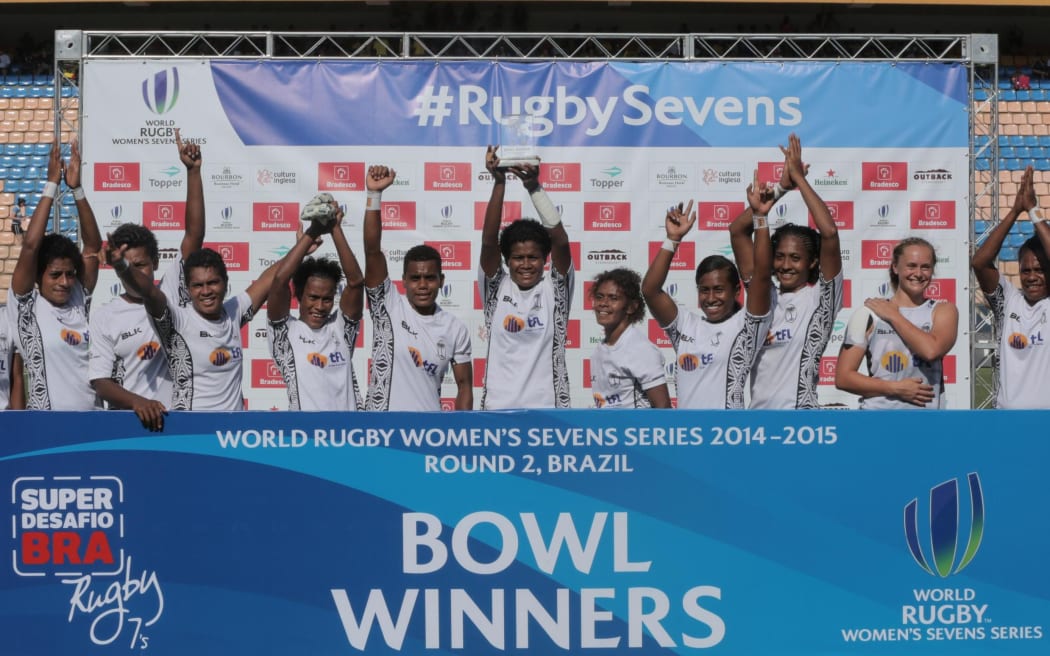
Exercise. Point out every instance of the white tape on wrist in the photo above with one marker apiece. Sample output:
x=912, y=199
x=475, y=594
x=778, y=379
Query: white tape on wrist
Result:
x=759, y=221
x=374, y=200
x=549, y=216
x=50, y=190
x=78, y=193
x=1037, y=215
x=670, y=245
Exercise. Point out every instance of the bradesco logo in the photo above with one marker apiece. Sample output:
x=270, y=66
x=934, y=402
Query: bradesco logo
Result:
x=398, y=215
x=455, y=255
x=658, y=335
x=572, y=334
x=932, y=214
x=164, y=216
x=160, y=91
x=884, y=176
x=67, y=526
x=827, y=370
x=607, y=216
x=876, y=253
x=340, y=176
x=234, y=254
x=841, y=214
x=717, y=216
x=275, y=217
x=446, y=176
x=117, y=176
x=511, y=213
x=684, y=258
x=770, y=172
x=941, y=289
x=560, y=177
x=266, y=374
x=945, y=526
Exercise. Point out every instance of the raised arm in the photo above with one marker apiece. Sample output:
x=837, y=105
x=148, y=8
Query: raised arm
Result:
x=759, y=290
x=983, y=261
x=90, y=237
x=378, y=179
x=740, y=238
x=830, y=249
x=190, y=154
x=561, y=254
x=279, y=301
x=24, y=277
x=351, y=303
x=677, y=224
x=489, y=260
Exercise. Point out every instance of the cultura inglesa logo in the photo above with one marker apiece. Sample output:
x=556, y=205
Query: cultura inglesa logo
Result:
x=160, y=91
x=944, y=528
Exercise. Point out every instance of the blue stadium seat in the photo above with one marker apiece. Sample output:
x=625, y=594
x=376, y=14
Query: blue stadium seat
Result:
x=1008, y=94
x=25, y=80
x=1013, y=164
x=1004, y=141
x=11, y=149
x=25, y=149
x=1022, y=94
x=1008, y=254
x=982, y=164
x=1026, y=227
x=38, y=161
x=21, y=161
x=7, y=161
x=5, y=175
x=1042, y=165
x=1014, y=240
x=980, y=226
x=7, y=92
x=1031, y=140
x=1004, y=84
x=69, y=92
x=1004, y=152
x=980, y=95
x=981, y=139
x=1015, y=140
x=41, y=149
x=15, y=173
x=42, y=79
x=1022, y=152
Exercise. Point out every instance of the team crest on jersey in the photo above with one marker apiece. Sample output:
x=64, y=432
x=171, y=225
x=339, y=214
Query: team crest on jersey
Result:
x=513, y=324
x=318, y=360
x=688, y=362
x=72, y=337
x=148, y=350
x=1018, y=341
x=895, y=361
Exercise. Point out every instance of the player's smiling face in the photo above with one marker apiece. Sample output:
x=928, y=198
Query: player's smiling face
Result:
x=1033, y=278
x=422, y=282
x=317, y=301
x=792, y=264
x=610, y=306
x=717, y=295
x=57, y=281
x=525, y=264
x=207, y=291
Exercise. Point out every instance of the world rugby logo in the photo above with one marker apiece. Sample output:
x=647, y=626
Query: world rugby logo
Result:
x=160, y=91
x=945, y=528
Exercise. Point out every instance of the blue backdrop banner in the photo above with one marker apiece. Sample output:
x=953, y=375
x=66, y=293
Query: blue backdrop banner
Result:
x=571, y=532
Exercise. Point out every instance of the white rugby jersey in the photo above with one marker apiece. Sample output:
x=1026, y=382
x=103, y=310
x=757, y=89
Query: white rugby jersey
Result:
x=411, y=352
x=54, y=342
x=622, y=372
x=787, y=368
x=205, y=357
x=125, y=346
x=1023, y=367
x=713, y=359
x=889, y=358
x=526, y=341
x=7, y=351
x=317, y=364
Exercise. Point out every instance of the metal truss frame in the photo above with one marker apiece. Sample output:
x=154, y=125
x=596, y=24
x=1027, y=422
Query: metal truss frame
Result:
x=979, y=52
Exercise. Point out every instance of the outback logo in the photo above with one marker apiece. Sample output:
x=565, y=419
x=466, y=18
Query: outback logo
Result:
x=945, y=527
x=116, y=176
x=832, y=179
x=606, y=255
x=160, y=91
x=934, y=176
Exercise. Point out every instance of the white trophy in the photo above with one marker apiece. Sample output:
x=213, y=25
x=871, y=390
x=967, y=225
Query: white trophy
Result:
x=518, y=142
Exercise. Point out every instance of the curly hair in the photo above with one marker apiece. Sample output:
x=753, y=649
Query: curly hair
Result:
x=135, y=236
x=630, y=284
x=321, y=267
x=206, y=258
x=898, y=250
x=524, y=230
x=808, y=237
x=56, y=247
x=1035, y=247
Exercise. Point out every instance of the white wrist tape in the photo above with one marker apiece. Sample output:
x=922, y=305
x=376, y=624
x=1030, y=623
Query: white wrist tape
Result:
x=549, y=216
x=670, y=245
x=759, y=221
x=374, y=200
x=50, y=190
x=1037, y=215
x=78, y=193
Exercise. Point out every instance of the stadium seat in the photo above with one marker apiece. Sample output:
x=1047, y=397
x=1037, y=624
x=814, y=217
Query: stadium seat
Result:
x=1013, y=164
x=42, y=79
x=979, y=227
x=980, y=95
x=41, y=149
x=1015, y=140
x=10, y=149
x=1027, y=228
x=1008, y=254
x=1041, y=165
x=1023, y=94
x=1022, y=152
x=982, y=164
x=1014, y=240
x=1007, y=95
x=1006, y=152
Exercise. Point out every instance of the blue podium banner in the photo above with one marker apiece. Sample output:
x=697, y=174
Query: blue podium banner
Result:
x=561, y=532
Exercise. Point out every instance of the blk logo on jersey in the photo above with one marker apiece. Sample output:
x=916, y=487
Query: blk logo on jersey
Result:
x=895, y=361
x=148, y=351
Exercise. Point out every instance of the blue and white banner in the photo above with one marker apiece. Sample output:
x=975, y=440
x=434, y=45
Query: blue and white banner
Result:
x=621, y=142
x=572, y=532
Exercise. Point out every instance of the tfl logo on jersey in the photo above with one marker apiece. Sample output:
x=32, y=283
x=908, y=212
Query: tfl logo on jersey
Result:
x=421, y=362
x=692, y=361
x=72, y=337
x=148, y=351
x=1021, y=341
x=602, y=401
x=514, y=324
x=778, y=337
x=223, y=356
x=895, y=362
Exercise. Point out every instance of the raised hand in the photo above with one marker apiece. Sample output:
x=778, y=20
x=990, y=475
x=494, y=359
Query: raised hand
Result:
x=679, y=221
x=529, y=175
x=379, y=177
x=189, y=153
x=55, y=165
x=794, y=168
x=73, y=165
x=492, y=164
x=759, y=196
